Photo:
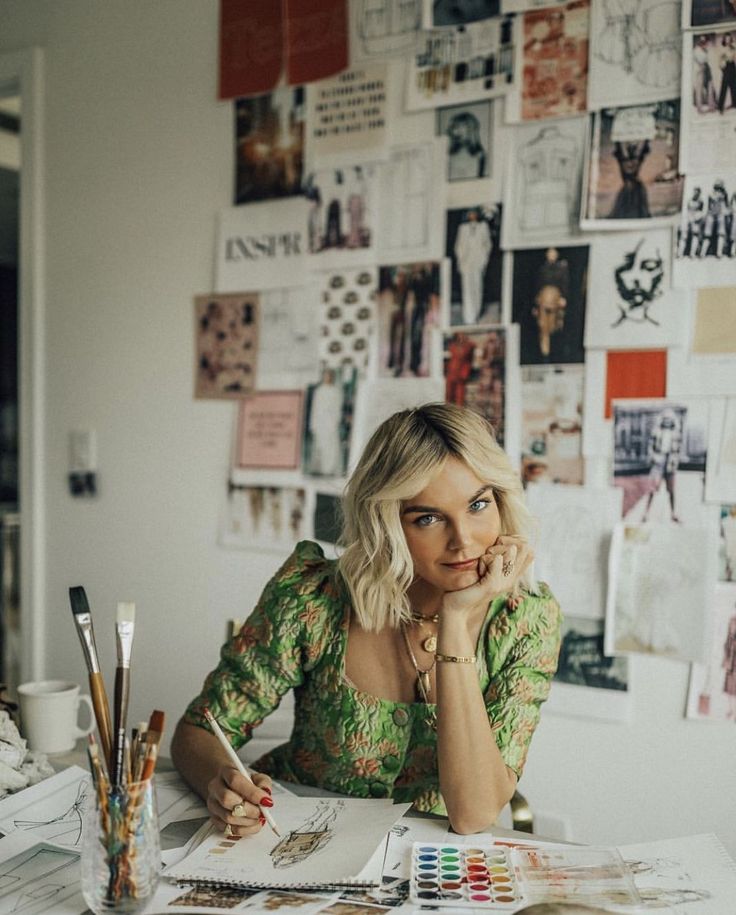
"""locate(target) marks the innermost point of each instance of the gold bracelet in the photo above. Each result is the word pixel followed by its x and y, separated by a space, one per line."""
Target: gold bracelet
pixel 454 658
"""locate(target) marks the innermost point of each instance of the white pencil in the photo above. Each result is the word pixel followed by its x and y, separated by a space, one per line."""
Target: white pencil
pixel 236 761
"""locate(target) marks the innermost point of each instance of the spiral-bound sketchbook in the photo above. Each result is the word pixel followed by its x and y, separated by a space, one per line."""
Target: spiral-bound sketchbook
pixel 325 843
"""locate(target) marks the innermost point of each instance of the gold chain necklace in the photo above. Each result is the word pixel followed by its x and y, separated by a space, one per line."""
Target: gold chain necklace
pixel 430 642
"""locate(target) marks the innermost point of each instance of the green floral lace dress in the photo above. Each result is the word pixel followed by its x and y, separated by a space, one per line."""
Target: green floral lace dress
pixel 346 740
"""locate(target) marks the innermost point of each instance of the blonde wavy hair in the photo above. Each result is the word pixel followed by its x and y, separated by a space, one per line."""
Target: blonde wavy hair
pixel 401 457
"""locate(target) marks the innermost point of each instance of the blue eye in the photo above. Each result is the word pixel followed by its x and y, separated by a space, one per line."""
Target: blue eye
pixel 480 504
pixel 425 520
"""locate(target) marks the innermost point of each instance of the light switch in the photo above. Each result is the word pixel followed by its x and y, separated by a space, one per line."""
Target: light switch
pixel 83 462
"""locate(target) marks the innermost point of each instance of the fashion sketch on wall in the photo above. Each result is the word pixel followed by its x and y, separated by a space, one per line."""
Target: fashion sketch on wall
pixel 635 52
pixel 461 64
pixel 341 219
pixel 545 168
pixel 633 175
pixel 705 249
pixel 660 449
pixel 382 29
pixel 469 132
pixel 709 102
pixel 473 246
pixel 408 309
pixel 635 304
pixel 548 302
pixel 712 690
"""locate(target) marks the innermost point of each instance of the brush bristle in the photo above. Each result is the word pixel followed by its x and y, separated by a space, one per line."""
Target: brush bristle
pixel 126 612
pixel 78 600
pixel 156 721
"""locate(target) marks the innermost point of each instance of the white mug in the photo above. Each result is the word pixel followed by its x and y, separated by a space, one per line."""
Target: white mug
pixel 49 714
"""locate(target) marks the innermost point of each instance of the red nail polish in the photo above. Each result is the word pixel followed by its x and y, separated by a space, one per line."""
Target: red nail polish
pixel 267 790
pixel 266 802
pixel 262 820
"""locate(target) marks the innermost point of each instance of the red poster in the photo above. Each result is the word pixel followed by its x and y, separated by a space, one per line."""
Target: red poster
pixel 635 373
pixel 301 40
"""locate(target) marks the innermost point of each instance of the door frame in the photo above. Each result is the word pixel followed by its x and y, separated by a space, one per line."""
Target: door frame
pixel 21 73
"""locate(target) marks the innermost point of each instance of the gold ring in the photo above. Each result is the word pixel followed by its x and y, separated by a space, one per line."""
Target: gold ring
pixel 238 810
pixel 507 568
pixel 228 831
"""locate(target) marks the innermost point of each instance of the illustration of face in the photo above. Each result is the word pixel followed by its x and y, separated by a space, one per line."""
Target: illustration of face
pixel 639 278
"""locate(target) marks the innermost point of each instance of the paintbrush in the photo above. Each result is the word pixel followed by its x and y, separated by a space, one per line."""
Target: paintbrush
pixel 83 622
pixel 153 738
pixel 124 628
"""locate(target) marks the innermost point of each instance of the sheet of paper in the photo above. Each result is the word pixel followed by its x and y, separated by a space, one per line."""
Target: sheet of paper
pixel 38 878
pixel 661 583
pixel 712 688
pixel 720 476
pixel 703 256
pixel 323 840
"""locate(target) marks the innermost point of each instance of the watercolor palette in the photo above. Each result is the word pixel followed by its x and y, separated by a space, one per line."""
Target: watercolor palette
pixel 459 875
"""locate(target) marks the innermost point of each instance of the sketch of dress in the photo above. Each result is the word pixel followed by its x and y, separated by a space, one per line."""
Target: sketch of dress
pixel 387 26
pixel 642 39
pixel 310 837
pixel 36 877
pixel 547 182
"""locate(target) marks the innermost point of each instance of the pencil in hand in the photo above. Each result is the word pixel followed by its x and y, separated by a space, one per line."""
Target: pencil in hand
pixel 236 761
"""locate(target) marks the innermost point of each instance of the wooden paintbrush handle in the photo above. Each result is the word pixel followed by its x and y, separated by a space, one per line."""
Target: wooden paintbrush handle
pixel 102 714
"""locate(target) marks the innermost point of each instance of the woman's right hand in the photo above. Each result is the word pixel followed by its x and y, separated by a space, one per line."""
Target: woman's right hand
pixel 234 802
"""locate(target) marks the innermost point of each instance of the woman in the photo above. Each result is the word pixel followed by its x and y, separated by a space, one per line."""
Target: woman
pixel 419 658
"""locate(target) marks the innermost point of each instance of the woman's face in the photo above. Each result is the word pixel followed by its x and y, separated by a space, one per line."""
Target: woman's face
pixel 449 525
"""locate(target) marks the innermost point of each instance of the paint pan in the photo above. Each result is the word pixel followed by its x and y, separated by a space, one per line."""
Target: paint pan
pixel 473 877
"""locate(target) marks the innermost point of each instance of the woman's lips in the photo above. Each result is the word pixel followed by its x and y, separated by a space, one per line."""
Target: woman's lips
pixel 465 566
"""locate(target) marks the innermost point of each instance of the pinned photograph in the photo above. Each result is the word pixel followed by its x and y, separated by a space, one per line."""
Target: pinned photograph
pixel 270 430
pixel 408 309
pixel 727 543
pixel 459 64
pixel 712 690
pixel 635 52
pixel 545 169
pixel 469 132
pixel 551 62
pixel 327 517
pixel 589 683
pixel 347 317
pixel 269 145
pixel 697 13
pixel 552 423
pixel 264 517
pixel 342 213
pixel 473 246
pixel 633 175
pixel 226 345
pixel 635 304
pixel 709 102
pixel 477 368
pixel 705 248
pixel 548 302
pixel 660 449
pixel 451 12
pixel 660 591
pixel 384 29
pixel 328 422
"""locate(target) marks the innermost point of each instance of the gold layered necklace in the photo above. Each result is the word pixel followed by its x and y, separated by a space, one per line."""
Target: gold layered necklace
pixel 429 644
pixel 423 687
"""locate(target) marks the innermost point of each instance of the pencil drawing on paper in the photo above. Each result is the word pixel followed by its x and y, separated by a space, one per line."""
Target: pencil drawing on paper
pixel 37 877
pixel 66 827
pixel 642 39
pixel 309 838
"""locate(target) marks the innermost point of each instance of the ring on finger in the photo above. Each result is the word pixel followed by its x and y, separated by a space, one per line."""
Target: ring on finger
pixel 238 810
pixel 507 568
pixel 228 831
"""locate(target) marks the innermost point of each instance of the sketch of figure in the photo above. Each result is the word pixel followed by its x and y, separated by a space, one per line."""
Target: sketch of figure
pixel 386 26
pixel 729 666
pixel 66 828
pixel 638 283
pixel 621 37
pixel 631 201
pixel 548 181
pixel 472 249
pixel 301 843
pixel 659 58
pixel 704 90
pixel 665 442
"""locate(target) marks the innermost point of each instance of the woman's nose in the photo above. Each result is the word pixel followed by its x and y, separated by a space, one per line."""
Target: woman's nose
pixel 459 535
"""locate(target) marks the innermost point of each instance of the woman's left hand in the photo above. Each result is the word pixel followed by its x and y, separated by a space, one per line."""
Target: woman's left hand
pixel 499 570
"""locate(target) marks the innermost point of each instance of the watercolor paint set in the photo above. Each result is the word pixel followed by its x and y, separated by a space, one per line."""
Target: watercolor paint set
pixel 459 875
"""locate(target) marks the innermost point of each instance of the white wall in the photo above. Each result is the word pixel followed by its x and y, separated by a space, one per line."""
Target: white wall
pixel 138 157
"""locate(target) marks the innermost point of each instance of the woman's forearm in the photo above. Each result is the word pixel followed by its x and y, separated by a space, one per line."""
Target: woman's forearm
pixel 198 755
pixel 474 780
